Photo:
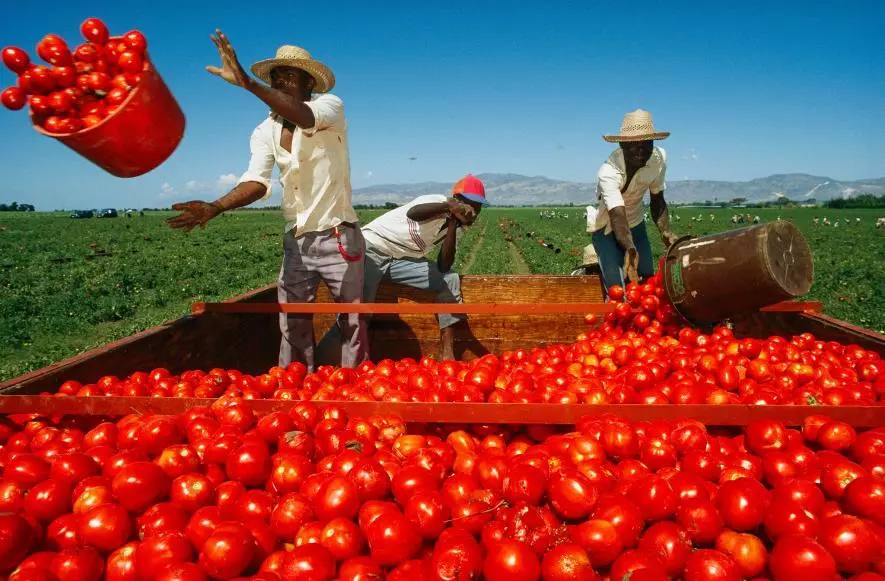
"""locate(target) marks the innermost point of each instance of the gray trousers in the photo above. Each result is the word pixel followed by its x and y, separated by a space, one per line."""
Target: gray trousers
pixel 306 260
pixel 418 273
pixel 415 272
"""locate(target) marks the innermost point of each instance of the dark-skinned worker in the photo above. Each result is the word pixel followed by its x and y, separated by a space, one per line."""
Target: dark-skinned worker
pixel 636 167
pixel 399 242
pixel 305 135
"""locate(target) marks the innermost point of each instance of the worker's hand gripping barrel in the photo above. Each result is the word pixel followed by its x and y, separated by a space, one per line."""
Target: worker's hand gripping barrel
pixel 713 278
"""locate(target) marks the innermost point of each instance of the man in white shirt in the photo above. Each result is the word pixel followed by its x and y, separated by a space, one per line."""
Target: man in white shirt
pixel 399 241
pixel 305 135
pixel 636 167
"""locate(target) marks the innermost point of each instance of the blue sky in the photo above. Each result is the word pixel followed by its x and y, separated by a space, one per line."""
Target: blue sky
pixel 747 89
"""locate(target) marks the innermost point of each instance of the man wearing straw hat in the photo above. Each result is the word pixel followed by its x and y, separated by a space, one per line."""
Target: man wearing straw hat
pixel 636 167
pixel 305 135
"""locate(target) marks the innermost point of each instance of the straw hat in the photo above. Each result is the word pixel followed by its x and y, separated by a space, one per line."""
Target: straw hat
pixel 294 56
pixel 637 126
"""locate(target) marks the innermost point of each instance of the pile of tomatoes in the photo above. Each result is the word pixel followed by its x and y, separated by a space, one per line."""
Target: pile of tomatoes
pixel 312 494
pixel 76 89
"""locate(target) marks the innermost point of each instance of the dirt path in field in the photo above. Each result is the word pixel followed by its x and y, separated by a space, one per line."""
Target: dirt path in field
pixel 519 263
pixel 468 264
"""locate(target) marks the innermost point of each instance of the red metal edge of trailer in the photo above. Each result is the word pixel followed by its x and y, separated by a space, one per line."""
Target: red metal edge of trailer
pixel 456 413
pixel 249 342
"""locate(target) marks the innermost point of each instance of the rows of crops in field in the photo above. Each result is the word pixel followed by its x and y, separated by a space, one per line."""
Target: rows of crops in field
pixel 69 285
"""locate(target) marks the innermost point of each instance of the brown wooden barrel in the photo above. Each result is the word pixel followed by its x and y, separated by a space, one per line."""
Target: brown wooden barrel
pixel 712 278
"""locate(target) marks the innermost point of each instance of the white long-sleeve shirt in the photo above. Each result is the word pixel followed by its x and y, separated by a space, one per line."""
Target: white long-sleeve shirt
pixel 611 179
pixel 315 175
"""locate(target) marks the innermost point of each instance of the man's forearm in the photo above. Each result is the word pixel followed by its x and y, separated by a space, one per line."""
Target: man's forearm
pixel 447 252
pixel 659 212
pixel 242 195
pixel 621 228
pixel 424 212
pixel 283 104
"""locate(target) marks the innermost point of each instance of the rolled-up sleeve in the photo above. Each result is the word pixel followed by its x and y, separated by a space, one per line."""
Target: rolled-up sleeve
pixel 328 113
pixel 262 161
pixel 608 187
pixel 660 183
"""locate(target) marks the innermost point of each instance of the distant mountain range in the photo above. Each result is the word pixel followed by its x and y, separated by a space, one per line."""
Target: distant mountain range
pixel 515 189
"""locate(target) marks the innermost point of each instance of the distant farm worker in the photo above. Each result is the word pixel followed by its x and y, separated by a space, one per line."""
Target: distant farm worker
pixel 305 135
pixel 399 242
pixel 633 169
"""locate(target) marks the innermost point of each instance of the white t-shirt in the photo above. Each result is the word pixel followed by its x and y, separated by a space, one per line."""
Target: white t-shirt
pixel 315 175
pixel 396 235
pixel 611 178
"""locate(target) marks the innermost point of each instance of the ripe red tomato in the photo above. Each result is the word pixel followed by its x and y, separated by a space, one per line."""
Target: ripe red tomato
pixel 311 562
pixel 139 485
pixel 710 565
pixel 191 491
pixel 105 527
pixel 836 436
pixel 94 30
pixel 249 464
pixel 427 511
pixel 16 59
pixel 336 498
pixel 623 514
pixel 412 479
pixel 13 98
pixel 392 538
pixel 48 500
pixel 291 513
pixel 227 552
pixel 701 520
pixel 747 551
pixel 572 496
pixel 80 564
pixel 130 61
pixel 800 557
pixel 156 553
pixel 342 538
pixel 761 436
pixel 511 561
pixel 26 470
pixel 567 562
pixel 600 539
pixel 850 541
pixel 16 537
pixel 670 542
pixel 654 496
pixel 865 497
pixel 136 41
pixel 743 503
pixel 160 519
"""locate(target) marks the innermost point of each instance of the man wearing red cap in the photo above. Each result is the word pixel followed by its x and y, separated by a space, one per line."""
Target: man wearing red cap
pixel 399 241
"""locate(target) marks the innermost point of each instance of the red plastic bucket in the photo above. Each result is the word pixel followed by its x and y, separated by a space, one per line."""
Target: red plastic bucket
pixel 140 135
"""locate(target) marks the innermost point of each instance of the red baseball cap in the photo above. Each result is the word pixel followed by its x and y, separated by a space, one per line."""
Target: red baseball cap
pixel 471 188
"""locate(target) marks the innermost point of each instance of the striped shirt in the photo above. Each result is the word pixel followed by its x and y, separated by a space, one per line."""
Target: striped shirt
pixel 396 235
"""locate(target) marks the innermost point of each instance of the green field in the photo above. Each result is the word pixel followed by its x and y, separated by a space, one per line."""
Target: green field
pixel 69 285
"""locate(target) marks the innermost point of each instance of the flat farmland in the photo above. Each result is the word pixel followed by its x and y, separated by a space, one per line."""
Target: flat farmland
pixel 69 285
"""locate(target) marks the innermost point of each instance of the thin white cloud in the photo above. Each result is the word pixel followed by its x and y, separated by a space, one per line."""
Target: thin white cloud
pixel 369 174
pixel 225 182
pixel 166 190
pixel 691 155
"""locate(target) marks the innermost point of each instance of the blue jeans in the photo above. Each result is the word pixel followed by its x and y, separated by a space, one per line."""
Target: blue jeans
pixel 611 256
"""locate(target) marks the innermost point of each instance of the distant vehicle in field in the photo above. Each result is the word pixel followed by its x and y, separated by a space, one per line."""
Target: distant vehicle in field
pixel 108 213
pixel 82 214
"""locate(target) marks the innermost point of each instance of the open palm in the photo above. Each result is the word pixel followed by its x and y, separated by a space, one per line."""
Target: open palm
pixel 230 70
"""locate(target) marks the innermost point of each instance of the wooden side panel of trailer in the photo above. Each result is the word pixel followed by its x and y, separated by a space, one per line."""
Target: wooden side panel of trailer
pixel 250 342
